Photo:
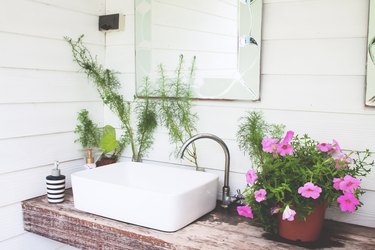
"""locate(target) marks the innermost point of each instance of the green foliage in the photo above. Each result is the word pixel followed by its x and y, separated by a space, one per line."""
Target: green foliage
pixel 108 85
pixel 281 176
pixel 87 130
pixel 175 107
pixel 251 131
pixel 108 141
pixel 147 120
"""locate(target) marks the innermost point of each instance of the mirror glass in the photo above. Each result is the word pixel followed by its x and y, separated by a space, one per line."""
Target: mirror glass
pixel 223 35
pixel 370 77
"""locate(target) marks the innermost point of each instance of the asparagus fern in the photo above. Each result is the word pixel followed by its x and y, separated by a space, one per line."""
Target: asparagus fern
pixel 107 84
pixel 175 107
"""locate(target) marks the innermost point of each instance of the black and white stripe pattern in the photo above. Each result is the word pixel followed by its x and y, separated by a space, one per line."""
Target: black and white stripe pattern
pixel 55 190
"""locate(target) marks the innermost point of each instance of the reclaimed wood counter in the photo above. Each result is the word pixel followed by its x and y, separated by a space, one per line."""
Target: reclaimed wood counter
pixel 221 229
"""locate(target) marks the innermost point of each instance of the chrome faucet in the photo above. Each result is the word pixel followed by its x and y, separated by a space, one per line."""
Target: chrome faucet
pixel 226 198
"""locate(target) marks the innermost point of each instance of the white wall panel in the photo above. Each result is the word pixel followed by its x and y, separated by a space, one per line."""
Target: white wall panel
pixel 20 51
pixel 93 7
pixel 123 58
pixel 36 86
pixel 48 21
pixel 34 151
pixel 344 56
pixel 315 19
pixel 19 120
pixel 11 221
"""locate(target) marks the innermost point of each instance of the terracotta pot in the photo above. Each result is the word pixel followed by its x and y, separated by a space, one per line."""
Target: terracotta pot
pixel 105 161
pixel 304 231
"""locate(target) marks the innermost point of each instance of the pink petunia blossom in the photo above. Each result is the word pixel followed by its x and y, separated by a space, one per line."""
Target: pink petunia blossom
pixel 288 214
pixel 309 190
pixel 348 202
pixel 336 146
pixel 251 176
pixel 324 147
pixel 260 195
pixel 245 211
pixel 336 150
pixel 285 149
pixel 336 183
pixel 269 145
pixel 288 137
pixel 349 184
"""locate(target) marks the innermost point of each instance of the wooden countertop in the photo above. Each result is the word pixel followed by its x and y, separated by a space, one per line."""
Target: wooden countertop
pixel 221 229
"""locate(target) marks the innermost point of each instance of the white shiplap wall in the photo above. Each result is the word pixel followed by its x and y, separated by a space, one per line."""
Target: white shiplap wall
pixel 40 95
pixel 313 81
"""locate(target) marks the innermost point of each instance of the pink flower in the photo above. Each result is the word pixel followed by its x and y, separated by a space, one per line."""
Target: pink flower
pixel 288 214
pixel 288 137
pixel 349 184
pixel 336 146
pixel 324 147
pixel 285 149
pixel 336 183
pixel 336 151
pixel 245 211
pixel 348 202
pixel 309 190
pixel 269 145
pixel 251 176
pixel 260 195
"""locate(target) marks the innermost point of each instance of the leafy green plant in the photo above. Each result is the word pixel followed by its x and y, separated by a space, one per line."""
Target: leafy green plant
pixel 254 128
pixel 292 174
pixel 87 131
pixel 147 120
pixel 108 85
pixel 175 107
pixel 108 141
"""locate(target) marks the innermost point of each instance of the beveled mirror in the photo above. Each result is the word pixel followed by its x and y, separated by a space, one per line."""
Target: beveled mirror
pixel 224 35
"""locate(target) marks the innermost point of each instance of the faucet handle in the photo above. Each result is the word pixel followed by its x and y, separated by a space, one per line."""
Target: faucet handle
pixel 239 198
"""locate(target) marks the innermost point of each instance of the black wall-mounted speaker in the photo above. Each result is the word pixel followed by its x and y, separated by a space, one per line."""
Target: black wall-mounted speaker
pixel 111 22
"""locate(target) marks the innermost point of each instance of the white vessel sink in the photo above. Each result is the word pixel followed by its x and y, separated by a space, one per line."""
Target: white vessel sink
pixel 162 198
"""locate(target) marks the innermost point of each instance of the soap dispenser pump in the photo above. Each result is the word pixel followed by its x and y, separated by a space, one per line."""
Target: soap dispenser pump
pixel 55 185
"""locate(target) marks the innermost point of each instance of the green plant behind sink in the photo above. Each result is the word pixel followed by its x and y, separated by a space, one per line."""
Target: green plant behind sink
pixel 87 131
pixel 175 107
pixel 91 136
pixel 108 85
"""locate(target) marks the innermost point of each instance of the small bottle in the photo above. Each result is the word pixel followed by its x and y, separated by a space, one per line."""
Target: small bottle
pixel 55 185
pixel 90 163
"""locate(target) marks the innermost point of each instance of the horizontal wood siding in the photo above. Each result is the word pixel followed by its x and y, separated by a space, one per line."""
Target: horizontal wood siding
pixel 313 81
pixel 41 91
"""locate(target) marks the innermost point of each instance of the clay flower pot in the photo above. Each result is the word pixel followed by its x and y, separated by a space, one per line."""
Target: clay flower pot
pixel 304 230
pixel 105 161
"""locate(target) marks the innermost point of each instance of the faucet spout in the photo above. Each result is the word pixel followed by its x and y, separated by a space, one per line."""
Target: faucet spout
pixel 226 199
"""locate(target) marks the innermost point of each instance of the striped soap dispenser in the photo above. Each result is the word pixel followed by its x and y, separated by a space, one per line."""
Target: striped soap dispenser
pixel 55 185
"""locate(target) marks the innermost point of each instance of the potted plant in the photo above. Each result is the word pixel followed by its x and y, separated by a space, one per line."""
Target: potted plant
pixel 295 178
pixel 91 136
pixel 87 131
